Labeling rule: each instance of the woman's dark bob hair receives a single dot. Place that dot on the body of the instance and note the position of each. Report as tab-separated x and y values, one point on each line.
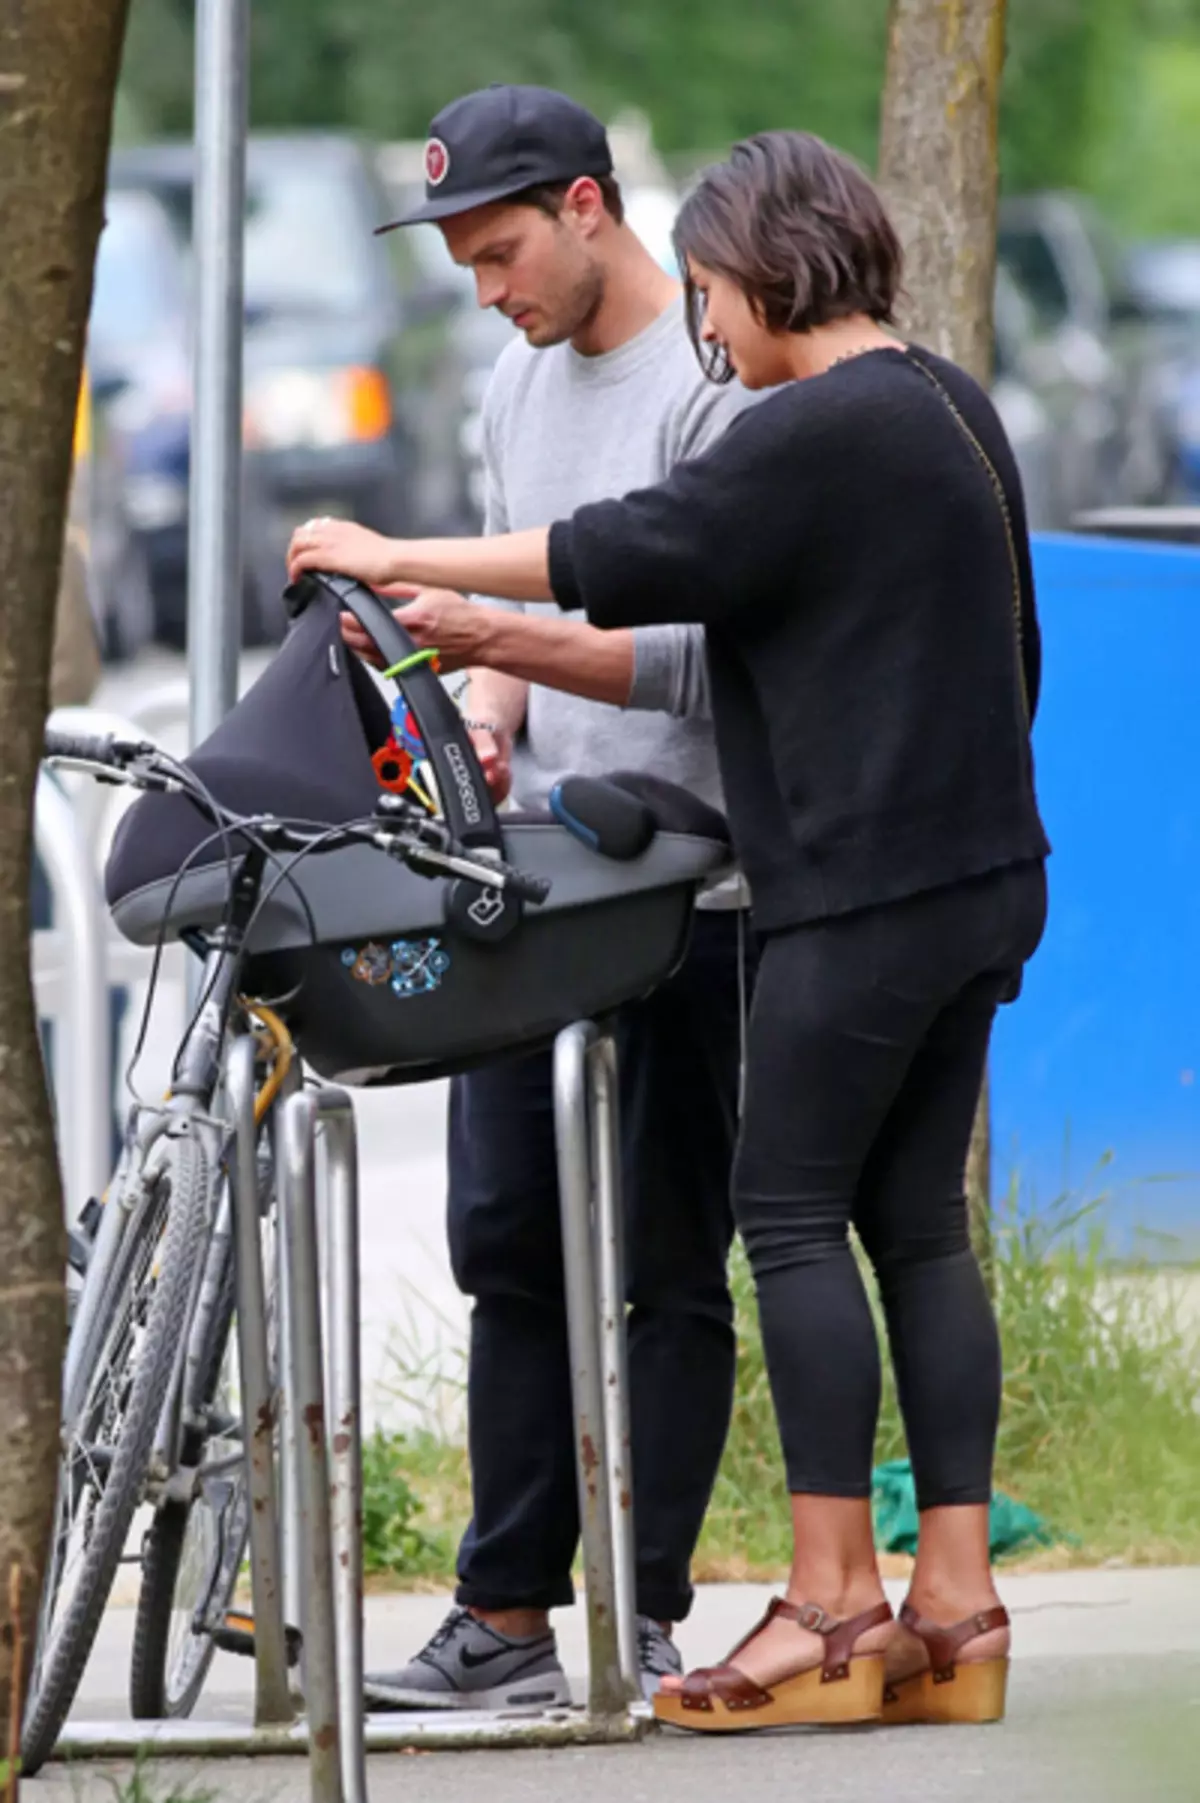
800	229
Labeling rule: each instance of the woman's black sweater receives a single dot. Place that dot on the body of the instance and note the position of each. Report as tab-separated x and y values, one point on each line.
844	547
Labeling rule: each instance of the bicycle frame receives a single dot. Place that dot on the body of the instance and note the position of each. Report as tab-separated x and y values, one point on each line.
186	1109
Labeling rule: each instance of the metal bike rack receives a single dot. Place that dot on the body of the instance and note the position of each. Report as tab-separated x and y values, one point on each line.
319	1446
71	981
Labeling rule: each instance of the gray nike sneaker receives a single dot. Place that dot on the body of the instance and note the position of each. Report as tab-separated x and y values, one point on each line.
658	1655
467	1665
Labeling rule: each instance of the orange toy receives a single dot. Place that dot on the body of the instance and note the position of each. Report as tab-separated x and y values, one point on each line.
393	767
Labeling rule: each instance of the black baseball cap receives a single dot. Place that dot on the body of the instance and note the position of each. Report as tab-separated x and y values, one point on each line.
501	139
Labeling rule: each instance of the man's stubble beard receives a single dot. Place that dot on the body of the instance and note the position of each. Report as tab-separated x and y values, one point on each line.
580	307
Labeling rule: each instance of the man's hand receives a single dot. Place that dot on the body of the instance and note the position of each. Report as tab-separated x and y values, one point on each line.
342	548
494	751
438	619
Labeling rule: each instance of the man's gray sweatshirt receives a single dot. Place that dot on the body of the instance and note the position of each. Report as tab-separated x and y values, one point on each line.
561	429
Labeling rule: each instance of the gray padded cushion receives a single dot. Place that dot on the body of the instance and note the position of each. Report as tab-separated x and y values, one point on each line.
360	893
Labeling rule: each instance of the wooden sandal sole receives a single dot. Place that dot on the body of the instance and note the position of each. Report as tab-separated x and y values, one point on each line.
975	1694
802	1701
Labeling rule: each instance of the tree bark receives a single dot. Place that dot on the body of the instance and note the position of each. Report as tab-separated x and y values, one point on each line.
58	70
938	168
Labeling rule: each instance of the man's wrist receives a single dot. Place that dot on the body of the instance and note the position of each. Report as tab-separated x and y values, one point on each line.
490	644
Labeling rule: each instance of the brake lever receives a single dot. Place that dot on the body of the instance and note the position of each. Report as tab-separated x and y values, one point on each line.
134	775
441	860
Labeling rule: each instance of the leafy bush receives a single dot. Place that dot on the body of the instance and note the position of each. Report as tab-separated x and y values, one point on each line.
392	1540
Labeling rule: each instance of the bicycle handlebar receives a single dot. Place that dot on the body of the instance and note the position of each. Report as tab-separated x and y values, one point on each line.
400	831
422	844
85	748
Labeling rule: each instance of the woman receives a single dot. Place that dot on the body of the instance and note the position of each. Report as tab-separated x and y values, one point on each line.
856	548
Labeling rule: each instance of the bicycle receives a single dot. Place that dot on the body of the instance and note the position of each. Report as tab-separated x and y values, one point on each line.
143	1418
382	977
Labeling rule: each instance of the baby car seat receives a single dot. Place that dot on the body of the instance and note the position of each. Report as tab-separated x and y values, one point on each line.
385	975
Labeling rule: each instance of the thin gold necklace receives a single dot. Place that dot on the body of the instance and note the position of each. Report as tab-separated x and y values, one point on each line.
862	350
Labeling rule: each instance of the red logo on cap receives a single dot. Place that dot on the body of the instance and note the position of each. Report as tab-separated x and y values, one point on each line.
437	162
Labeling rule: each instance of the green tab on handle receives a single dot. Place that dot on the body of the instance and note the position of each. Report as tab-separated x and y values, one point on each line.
409	663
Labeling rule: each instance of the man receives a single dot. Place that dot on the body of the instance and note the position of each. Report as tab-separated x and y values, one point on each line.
602	395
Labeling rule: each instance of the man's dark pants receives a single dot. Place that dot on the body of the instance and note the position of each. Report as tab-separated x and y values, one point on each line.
678	1054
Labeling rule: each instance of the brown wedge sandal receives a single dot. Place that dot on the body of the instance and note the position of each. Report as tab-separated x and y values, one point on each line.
845	1687
950	1689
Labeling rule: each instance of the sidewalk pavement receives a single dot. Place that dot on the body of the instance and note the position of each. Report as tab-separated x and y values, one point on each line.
1104	1707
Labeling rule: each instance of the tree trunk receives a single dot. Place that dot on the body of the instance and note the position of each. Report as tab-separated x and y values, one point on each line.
58	70
938	169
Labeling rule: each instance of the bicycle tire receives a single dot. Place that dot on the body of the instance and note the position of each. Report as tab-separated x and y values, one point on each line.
156	1693
60	1660
165	1682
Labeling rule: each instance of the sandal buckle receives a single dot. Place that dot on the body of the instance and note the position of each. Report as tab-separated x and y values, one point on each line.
814	1618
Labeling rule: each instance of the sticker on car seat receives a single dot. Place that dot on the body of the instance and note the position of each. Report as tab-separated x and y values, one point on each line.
408	966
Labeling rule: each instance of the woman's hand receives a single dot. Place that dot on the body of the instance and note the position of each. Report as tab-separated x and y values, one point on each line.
344	549
436	619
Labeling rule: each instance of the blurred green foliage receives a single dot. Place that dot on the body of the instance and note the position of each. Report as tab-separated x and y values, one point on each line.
1103	95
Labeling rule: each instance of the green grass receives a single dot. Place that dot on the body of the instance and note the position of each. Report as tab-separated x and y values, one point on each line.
1100	1430
142	1786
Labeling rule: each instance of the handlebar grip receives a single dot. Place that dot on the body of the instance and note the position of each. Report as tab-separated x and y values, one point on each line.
90	748
533	889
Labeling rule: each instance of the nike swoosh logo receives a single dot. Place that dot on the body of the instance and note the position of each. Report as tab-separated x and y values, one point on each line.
471	1660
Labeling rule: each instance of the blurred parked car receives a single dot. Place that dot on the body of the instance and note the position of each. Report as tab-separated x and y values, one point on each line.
1025	417
1093	358
1165	276
110	558
340	370
139	345
475	337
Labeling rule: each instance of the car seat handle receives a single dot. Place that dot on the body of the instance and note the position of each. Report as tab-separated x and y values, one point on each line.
463	791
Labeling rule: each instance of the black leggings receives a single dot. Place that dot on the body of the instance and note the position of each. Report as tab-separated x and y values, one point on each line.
867	1047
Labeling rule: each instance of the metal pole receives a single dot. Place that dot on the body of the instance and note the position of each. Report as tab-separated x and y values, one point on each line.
614	1360
289	1434
606	1688
272	1702
345	1412
81	1044
307	1394
214	503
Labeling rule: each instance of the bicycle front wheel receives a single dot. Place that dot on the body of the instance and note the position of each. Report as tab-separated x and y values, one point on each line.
107	1442
193	1552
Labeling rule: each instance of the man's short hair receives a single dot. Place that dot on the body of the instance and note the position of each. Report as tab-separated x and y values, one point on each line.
548	197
